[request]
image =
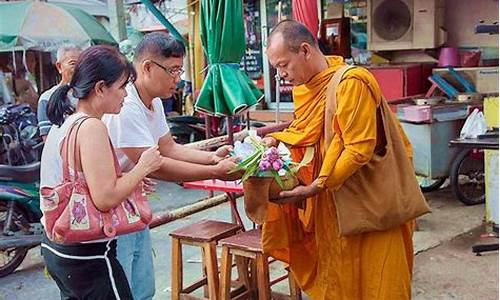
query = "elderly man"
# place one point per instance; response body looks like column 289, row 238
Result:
column 326, row 264
column 65, row 64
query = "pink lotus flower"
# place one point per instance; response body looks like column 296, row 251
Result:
column 272, row 154
column 277, row 164
column 264, row 165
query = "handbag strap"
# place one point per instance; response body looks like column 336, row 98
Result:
column 76, row 153
column 331, row 102
column 65, row 147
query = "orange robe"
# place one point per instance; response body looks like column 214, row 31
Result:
column 376, row 265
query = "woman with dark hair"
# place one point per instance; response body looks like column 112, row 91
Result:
column 90, row 270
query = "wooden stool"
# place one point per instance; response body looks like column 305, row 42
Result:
column 247, row 244
column 204, row 234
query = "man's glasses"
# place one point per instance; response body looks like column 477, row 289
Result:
column 170, row 71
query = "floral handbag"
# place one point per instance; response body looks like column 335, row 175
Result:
column 70, row 215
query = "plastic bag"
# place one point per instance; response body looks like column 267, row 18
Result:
column 474, row 125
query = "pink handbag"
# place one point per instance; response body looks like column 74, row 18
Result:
column 70, row 215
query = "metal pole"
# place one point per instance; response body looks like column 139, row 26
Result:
column 40, row 65
column 277, row 78
column 230, row 134
column 320, row 10
column 192, row 18
column 248, row 120
column 265, row 64
column 208, row 127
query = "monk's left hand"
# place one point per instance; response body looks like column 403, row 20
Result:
column 299, row 193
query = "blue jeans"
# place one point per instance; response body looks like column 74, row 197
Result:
column 134, row 252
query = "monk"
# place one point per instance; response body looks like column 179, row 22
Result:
column 327, row 265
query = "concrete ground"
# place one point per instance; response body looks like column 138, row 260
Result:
column 451, row 271
column 445, row 267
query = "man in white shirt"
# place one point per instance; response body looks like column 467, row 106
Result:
column 158, row 60
column 66, row 60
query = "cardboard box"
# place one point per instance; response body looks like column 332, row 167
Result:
column 334, row 10
column 491, row 166
column 491, row 111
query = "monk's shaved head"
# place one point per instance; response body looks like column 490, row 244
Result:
column 293, row 34
column 294, row 52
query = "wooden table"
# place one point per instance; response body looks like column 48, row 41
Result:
column 231, row 188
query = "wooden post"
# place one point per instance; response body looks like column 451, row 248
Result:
column 187, row 210
column 116, row 13
column 210, row 252
column 225, row 269
column 263, row 277
column 176, row 268
column 204, row 272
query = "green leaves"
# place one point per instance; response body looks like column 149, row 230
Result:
column 277, row 177
column 244, row 165
column 251, row 164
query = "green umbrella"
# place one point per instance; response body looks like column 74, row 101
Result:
column 43, row 26
column 227, row 90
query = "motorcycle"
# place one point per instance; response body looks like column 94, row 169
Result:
column 20, row 151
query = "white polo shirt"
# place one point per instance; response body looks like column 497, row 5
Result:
column 136, row 126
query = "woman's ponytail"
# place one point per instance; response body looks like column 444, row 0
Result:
column 59, row 105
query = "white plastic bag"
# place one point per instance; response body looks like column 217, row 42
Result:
column 474, row 125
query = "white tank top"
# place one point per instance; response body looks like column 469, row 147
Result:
column 51, row 172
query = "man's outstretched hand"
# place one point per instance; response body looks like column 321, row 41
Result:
column 224, row 168
column 221, row 153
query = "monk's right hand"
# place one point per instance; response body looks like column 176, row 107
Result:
column 270, row 141
column 150, row 160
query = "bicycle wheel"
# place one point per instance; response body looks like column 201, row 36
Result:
column 467, row 177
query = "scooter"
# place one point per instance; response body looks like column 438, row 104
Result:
column 20, row 227
column 20, row 149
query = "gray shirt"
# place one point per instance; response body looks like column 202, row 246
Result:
column 43, row 121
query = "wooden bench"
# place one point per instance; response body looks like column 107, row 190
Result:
column 257, row 281
column 205, row 235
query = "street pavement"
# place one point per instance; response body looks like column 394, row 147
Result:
column 448, row 220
